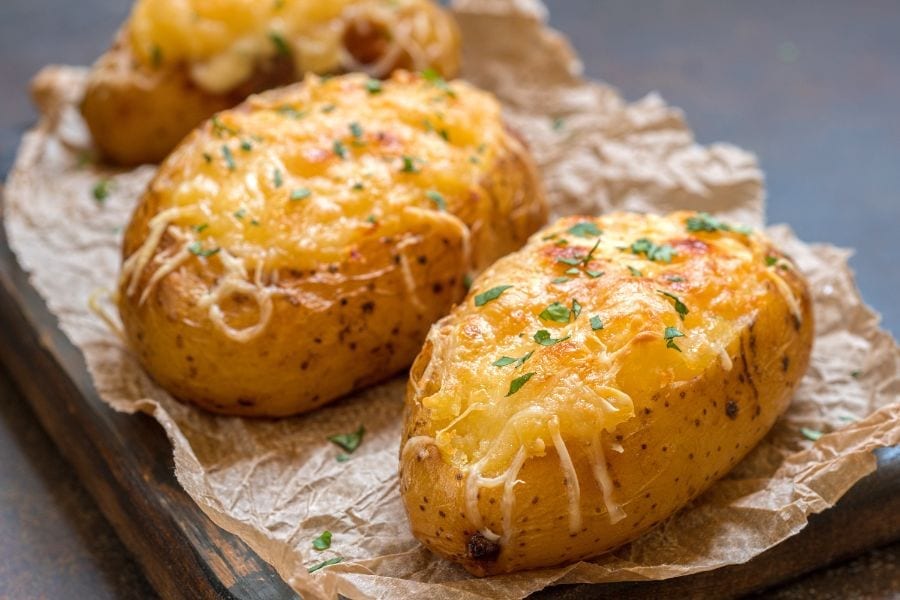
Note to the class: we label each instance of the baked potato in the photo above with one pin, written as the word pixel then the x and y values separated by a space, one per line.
pixel 298 247
pixel 593 383
pixel 176 62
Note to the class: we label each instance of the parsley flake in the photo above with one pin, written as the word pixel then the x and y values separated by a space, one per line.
pixel 811 434
pixel 156 55
pixel 585 229
pixel 276 178
pixel 674 278
pixel 409 165
pixel 670 334
pixel 596 323
pixel 219 127
pixel 594 274
pixel 490 295
pixel 339 149
pixel 517 383
pixel 572 271
pixel 543 338
pixel 435 79
pixel 197 249
pixel 590 254
pixel 281 45
pixel 300 194
pixel 504 361
pixel 373 86
pixel 246 146
pixel 324 563
pixel 229 157
pixel 328 108
pixel 706 222
pixel 576 309
pixel 290 111
pixel 635 272
pixel 576 260
pixel 356 129
pixel 323 542
pixel 438 199
pixel 101 190
pixel 560 279
pixel 348 442
pixel 679 305
pixel 652 251
pixel 200 227
pixel 771 261
pixel 240 213
pixel 556 312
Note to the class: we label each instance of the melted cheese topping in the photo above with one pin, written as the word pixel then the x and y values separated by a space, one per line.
pixel 306 176
pixel 585 383
pixel 224 41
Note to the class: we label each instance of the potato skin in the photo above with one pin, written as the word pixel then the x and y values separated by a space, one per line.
pixel 138 112
pixel 683 434
pixel 342 314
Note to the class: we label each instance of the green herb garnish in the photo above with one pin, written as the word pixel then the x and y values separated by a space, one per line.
pixel 771 261
pixel 435 79
pixel 409 165
pixel 281 46
pixel 373 86
pixel 811 434
pixel 229 157
pixel 679 305
pixel 706 222
pixel 219 127
pixel 197 249
pixel 556 312
pixel 290 111
pixel 300 194
pixel 240 213
pixel 560 280
pixel 323 542
pixel 635 272
pixel 543 338
pixel 438 199
pixel 517 383
pixel 652 251
pixel 594 274
pixel 276 178
pixel 490 295
pixel 349 442
pixel 356 129
pixel 670 334
pixel 339 149
pixel 101 190
pixel 199 228
pixel 576 309
pixel 504 361
pixel 585 229
pixel 324 563
pixel 596 323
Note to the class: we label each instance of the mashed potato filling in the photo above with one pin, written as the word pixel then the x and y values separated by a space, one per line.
pixel 224 41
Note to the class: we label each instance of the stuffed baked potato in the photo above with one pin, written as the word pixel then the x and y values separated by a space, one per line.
pixel 176 62
pixel 593 383
pixel 298 247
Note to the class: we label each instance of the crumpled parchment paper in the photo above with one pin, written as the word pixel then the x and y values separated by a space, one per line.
pixel 277 484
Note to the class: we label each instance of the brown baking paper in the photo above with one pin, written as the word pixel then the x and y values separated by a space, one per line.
pixel 277 483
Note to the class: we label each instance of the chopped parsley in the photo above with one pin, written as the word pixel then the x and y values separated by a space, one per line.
pixel 771 261
pixel 276 178
pixel 323 542
pixel 101 190
pixel 590 254
pixel 324 563
pixel 811 434
pixel 339 149
pixel 348 442
pixel 490 295
pixel 570 261
pixel 674 278
pixel 504 361
pixel 219 127
pixel 706 222
pixel 594 274
pixel 558 124
pixel 585 229
pixel 281 45
pixel 197 249
pixel 290 111
pixel 576 309
pixel 543 338
pixel 560 280
pixel 855 374
pixel 556 312
pixel 670 334
pixel 517 383
pixel 373 86
pixel 200 227
pixel 652 251
pixel 635 272
pixel 679 305
pixel 371 219
pixel 572 271
pixel 300 194
pixel 435 79
pixel 328 108
pixel 240 213
pixel 207 157
pixel 596 323
pixel 356 129
pixel 156 55
pixel 229 157
pixel 438 199
pixel 409 165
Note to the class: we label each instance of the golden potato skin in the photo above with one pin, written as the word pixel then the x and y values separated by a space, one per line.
pixel 688 426
pixel 330 198
pixel 138 106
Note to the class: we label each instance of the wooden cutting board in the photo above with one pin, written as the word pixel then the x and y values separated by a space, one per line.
pixel 125 461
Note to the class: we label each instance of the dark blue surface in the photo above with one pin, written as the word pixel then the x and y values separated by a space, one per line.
pixel 812 87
